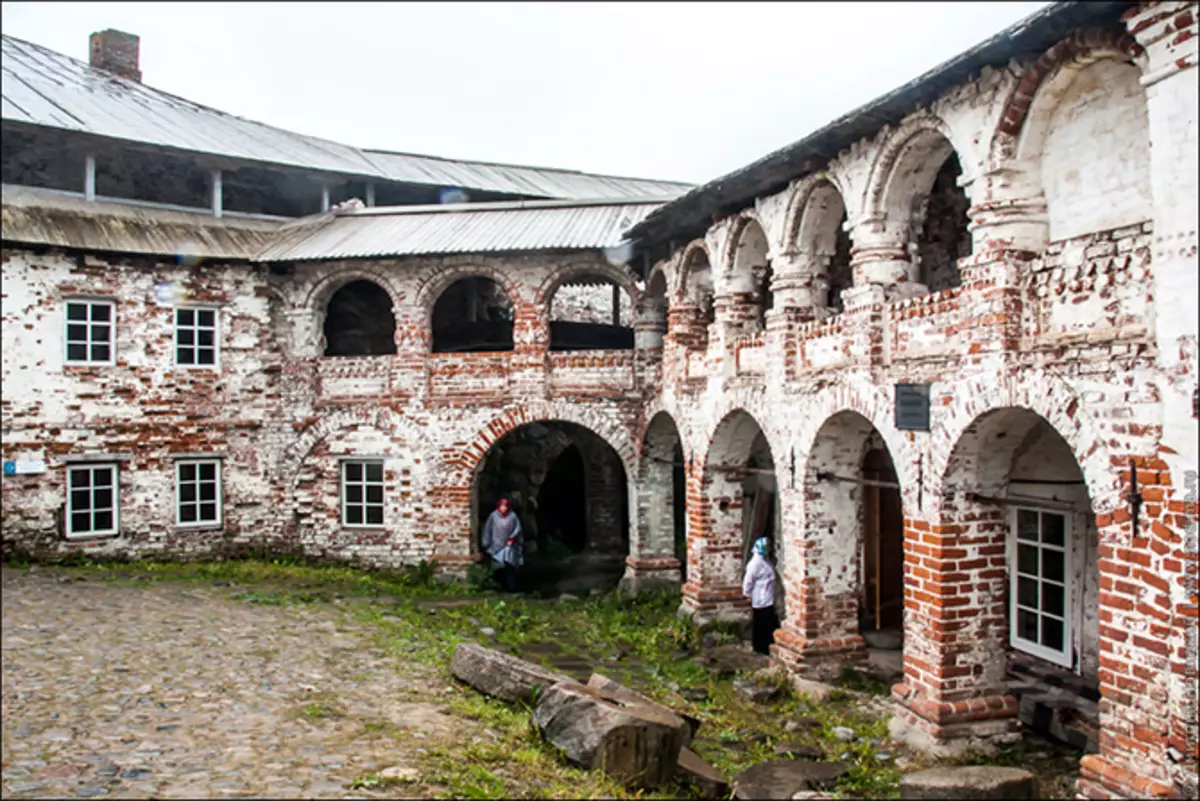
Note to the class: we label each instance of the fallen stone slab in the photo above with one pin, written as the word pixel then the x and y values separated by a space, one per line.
pixel 501 675
pixel 783 778
pixel 623 693
pixel 707 779
pixel 634 742
pixel 975 782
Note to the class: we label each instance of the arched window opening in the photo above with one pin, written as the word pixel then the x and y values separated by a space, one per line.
pixel 698 288
pixel 359 321
pixel 841 277
pixel 944 237
pixel 822 236
pixel 472 315
pixel 751 269
pixel 591 313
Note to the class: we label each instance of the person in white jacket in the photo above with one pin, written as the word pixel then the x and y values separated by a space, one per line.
pixel 759 587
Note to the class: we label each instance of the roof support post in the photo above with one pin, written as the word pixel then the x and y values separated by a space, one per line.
pixel 324 197
pixel 217 198
pixel 370 194
pixel 89 176
pixel 616 306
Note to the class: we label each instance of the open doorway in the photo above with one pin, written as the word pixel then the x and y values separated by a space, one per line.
pixel 881 610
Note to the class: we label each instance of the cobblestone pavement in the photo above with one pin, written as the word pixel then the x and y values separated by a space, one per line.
pixel 180 690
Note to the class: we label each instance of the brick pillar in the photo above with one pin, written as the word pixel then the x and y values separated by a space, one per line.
pixel 991 301
pixel 956 626
pixel 880 258
pixel 652 561
pixel 714 507
pixel 531 340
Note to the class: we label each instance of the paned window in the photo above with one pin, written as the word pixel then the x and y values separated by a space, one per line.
pixel 90 331
pixel 198 492
pixel 91 500
pixel 1041 591
pixel 196 337
pixel 362 493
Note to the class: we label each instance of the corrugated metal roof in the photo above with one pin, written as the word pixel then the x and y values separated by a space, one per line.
pixel 42 87
pixel 469 228
pixel 44 217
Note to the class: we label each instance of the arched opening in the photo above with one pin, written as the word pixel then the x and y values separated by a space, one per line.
pixel 662 493
pixel 752 269
pixel 472 315
pixel 922 198
pixel 359 321
pixel 823 237
pixel 1031 556
pixel 698 294
pixel 568 488
pixel 1105 185
pixel 591 313
pixel 742 501
pixel 854 511
pixel 944 236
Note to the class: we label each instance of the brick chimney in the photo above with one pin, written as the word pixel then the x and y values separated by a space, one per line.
pixel 116 52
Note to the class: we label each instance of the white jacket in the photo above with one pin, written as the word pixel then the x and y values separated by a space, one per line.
pixel 759 584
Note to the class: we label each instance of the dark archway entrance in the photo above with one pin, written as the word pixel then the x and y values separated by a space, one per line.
pixel 568 487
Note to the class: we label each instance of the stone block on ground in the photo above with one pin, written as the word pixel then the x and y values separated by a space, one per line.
pixel 757 692
pixel 634 742
pixel 623 693
pixel 501 675
pixel 731 658
pixel 974 782
pixel 815 690
pixel 783 778
pixel 707 779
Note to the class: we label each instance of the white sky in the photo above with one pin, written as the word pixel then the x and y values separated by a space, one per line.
pixel 681 91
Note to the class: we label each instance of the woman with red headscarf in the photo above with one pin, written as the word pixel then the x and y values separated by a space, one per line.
pixel 502 541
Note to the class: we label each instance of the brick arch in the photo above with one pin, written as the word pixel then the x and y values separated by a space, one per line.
pixel 799 195
pixel 725 271
pixel 1094 43
pixel 896 146
pixel 563 274
pixel 432 284
pixel 874 404
pixel 754 404
pixel 1045 395
pixel 657 407
pixel 459 469
pixel 323 290
pixel 685 262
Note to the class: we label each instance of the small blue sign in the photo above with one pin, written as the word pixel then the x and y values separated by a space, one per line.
pixel 10 468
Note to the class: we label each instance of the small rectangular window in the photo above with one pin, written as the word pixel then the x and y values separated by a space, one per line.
pixel 198 492
pixel 362 493
pixel 90 331
pixel 1041 586
pixel 196 337
pixel 91 500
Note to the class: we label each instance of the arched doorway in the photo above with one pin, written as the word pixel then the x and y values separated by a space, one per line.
pixel 661 549
pixel 854 545
pixel 568 488
pixel 739 503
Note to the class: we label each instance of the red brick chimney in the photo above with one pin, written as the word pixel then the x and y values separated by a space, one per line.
pixel 116 52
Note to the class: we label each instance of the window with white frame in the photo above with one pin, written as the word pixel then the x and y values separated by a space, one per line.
pixel 198 492
pixel 1040 572
pixel 91 500
pixel 90 331
pixel 196 337
pixel 362 493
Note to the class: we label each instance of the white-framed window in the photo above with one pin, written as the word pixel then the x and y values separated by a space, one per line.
pixel 90 328
pixel 196 337
pixel 1040 576
pixel 362 493
pixel 198 492
pixel 91 500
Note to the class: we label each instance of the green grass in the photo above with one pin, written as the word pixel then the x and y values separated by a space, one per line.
pixel 640 642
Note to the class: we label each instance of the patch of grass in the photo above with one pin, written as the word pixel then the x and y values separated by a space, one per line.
pixel 859 682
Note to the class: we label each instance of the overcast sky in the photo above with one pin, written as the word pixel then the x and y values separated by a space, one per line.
pixel 682 91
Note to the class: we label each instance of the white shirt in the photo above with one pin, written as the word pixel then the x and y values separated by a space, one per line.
pixel 759 584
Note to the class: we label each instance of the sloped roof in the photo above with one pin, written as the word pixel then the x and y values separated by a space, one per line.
pixel 462 228
pixel 45 88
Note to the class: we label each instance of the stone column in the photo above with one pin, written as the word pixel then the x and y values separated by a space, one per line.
pixel 880 258
pixel 531 341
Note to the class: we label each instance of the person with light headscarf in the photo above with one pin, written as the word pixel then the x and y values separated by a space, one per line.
pixel 759 587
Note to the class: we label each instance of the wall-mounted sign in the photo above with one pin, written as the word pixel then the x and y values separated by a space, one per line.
pixel 912 407
pixel 24 467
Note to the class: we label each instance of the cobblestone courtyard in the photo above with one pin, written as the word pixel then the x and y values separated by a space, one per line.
pixel 167 690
